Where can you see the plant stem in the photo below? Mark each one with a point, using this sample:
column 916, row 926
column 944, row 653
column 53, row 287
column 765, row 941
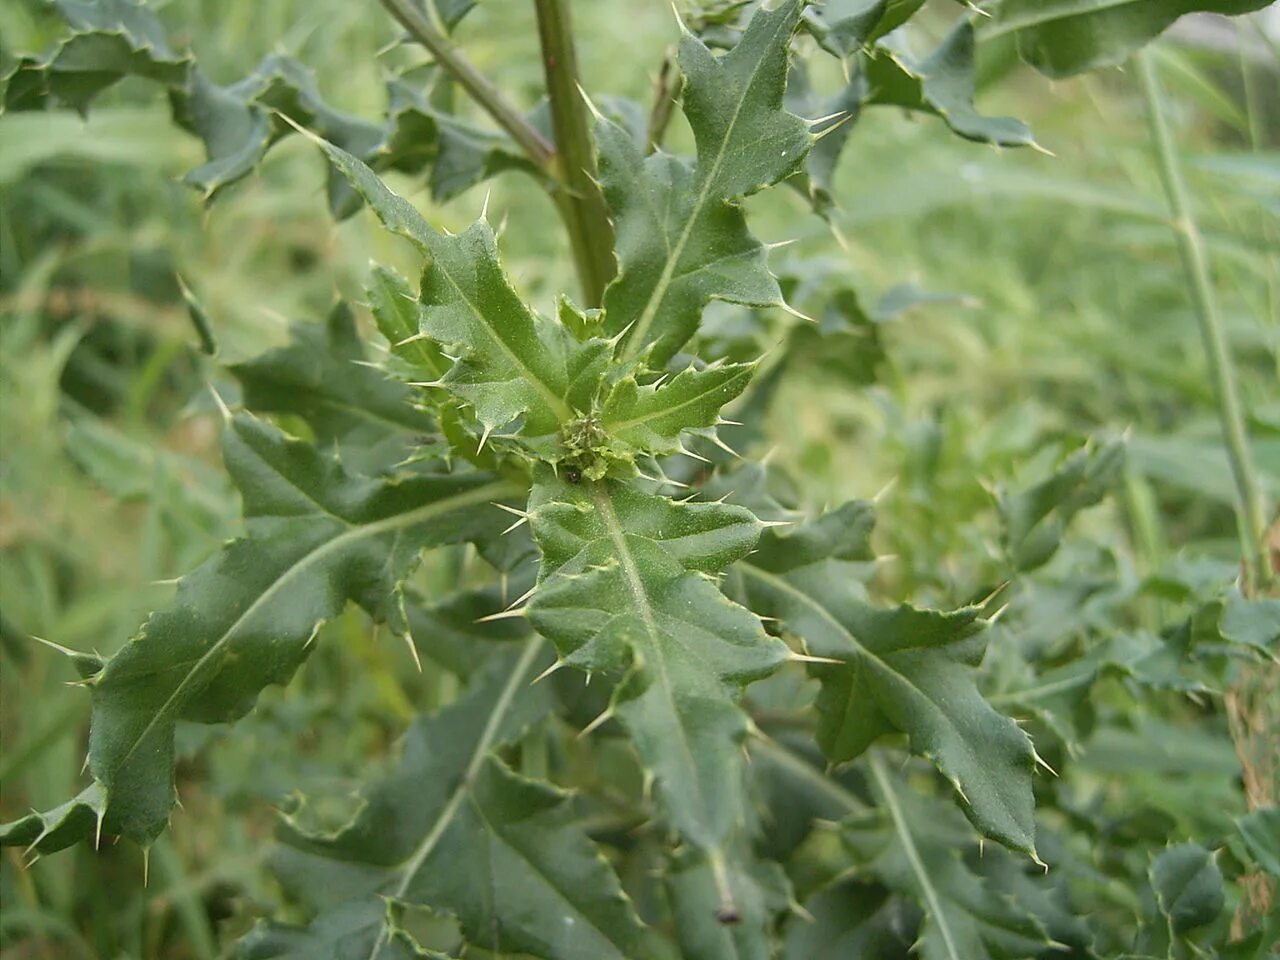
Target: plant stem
column 1251, row 513
column 666, row 89
column 419, row 25
column 581, row 200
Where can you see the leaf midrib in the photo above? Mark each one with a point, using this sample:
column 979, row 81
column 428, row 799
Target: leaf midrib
column 414, row 862
column 637, row 341
column 486, row 493
column 913, row 855
column 668, row 411
column 859, row 649
column 641, row 598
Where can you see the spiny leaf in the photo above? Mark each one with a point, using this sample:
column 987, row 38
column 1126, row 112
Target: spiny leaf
column 681, row 239
column 1065, row 37
column 652, row 418
column 320, row 376
column 451, row 828
column 903, row 669
column 844, row 27
column 238, row 123
column 942, row 84
column 60, row 827
column 619, row 594
column 317, row 538
column 513, row 363
column 914, row 848
column 110, row 39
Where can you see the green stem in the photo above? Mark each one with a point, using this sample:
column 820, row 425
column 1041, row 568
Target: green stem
column 666, row 90
column 580, row 199
column 1251, row 515
column 416, row 21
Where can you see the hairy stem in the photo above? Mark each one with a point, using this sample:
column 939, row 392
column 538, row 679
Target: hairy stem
column 430, row 35
column 1251, row 513
column 574, row 164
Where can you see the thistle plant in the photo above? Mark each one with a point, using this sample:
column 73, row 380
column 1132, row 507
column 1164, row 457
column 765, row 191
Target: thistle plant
column 640, row 555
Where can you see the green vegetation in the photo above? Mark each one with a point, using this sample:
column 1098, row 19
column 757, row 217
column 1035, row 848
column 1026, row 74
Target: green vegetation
column 650, row 486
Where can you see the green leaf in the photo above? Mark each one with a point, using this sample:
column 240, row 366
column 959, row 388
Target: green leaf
column 942, row 84
column 682, row 240
column 914, row 847
column 844, row 27
column 1255, row 623
column 1035, row 519
column 238, row 123
column 365, row 929
column 699, row 888
column 513, row 363
column 851, row 919
column 1261, row 832
column 318, row 537
column 110, row 39
column 453, row 829
column 625, row 591
column 1065, row 37
column 652, row 418
column 904, row 669
column 1188, row 886
column 321, row 376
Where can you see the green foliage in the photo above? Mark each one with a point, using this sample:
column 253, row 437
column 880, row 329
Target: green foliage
column 656, row 701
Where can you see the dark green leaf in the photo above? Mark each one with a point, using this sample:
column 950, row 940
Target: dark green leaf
column 1188, row 886
column 318, row 537
column 903, row 669
column 452, row 828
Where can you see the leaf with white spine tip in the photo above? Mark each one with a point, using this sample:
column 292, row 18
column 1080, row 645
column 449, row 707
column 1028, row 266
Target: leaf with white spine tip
column 620, row 593
column 651, row 419
column 452, row 829
column 905, row 669
column 317, row 537
column 682, row 241
column 914, row 844
column 513, row 362
column 60, row 827
column 1061, row 38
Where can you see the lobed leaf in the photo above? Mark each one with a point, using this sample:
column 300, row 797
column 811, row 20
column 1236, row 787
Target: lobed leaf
column 453, row 829
column 652, row 418
column 240, row 122
column 904, row 669
column 318, row 537
column 681, row 239
column 915, row 849
column 942, row 84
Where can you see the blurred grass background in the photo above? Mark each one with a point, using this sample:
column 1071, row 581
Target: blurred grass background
column 1066, row 315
